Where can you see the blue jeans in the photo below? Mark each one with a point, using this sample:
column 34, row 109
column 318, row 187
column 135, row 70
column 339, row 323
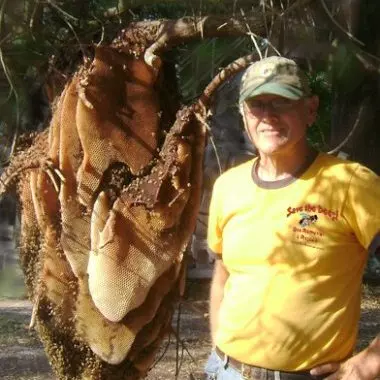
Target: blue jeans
column 216, row 369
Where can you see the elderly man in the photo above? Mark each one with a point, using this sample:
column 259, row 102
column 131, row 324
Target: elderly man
column 290, row 230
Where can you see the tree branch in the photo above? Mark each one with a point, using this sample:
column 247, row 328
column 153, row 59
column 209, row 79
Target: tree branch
column 355, row 127
column 230, row 70
column 174, row 32
column 338, row 26
column 368, row 60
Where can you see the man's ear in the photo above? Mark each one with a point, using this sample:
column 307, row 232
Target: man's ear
column 312, row 109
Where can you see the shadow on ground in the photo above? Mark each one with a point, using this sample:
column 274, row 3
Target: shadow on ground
column 22, row 356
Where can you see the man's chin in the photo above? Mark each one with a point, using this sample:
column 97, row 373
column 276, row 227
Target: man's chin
column 272, row 149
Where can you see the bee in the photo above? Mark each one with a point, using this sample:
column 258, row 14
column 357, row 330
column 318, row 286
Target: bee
column 307, row 219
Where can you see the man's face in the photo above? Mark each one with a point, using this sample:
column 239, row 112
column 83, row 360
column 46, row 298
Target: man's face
column 276, row 124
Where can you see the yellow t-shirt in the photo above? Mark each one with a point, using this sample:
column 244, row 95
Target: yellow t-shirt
column 296, row 256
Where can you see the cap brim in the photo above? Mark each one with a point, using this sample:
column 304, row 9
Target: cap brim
column 279, row 89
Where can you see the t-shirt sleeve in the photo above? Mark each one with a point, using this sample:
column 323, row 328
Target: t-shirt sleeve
column 362, row 209
column 214, row 231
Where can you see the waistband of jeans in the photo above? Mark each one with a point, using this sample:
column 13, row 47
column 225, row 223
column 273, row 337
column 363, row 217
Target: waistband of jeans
column 248, row 370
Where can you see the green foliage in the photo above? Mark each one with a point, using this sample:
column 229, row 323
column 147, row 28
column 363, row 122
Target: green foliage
column 40, row 39
column 11, row 282
column 318, row 133
column 200, row 62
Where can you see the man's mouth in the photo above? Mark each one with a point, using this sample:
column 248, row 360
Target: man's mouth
column 271, row 131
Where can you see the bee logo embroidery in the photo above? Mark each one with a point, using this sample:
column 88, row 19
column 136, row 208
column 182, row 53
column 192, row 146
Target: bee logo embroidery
column 307, row 219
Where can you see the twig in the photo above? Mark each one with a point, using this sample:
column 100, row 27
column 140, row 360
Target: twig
column 353, row 130
column 332, row 19
column 31, row 22
column 60, row 175
column 177, row 364
column 185, row 348
column 251, row 35
column 179, row 343
column 60, row 10
column 221, row 26
column 130, row 11
column 203, row 121
column 103, row 30
column 267, row 41
column 215, row 150
column 265, row 18
column 15, row 173
column 363, row 56
column 163, row 354
column 34, row 311
column 296, row 5
column 53, row 180
column 180, row 192
column 269, row 34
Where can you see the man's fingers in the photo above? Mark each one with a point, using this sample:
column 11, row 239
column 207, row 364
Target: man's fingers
column 334, row 376
column 325, row 368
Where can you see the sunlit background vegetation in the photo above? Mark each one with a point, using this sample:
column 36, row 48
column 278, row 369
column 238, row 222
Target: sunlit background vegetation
column 42, row 42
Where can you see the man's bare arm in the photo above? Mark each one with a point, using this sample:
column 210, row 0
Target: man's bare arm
column 219, row 279
column 363, row 366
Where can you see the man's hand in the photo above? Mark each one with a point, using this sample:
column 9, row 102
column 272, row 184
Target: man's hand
column 363, row 366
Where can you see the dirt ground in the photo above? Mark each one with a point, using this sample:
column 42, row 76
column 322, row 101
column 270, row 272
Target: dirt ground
column 22, row 356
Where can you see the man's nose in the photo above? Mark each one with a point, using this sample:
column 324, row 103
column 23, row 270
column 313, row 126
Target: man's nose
column 268, row 112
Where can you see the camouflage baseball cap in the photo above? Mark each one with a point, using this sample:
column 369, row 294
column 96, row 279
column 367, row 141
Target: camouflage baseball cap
column 274, row 75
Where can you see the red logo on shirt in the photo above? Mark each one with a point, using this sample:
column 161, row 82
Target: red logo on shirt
column 308, row 208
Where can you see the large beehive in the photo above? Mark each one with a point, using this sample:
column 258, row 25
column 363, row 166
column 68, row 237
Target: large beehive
column 109, row 197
